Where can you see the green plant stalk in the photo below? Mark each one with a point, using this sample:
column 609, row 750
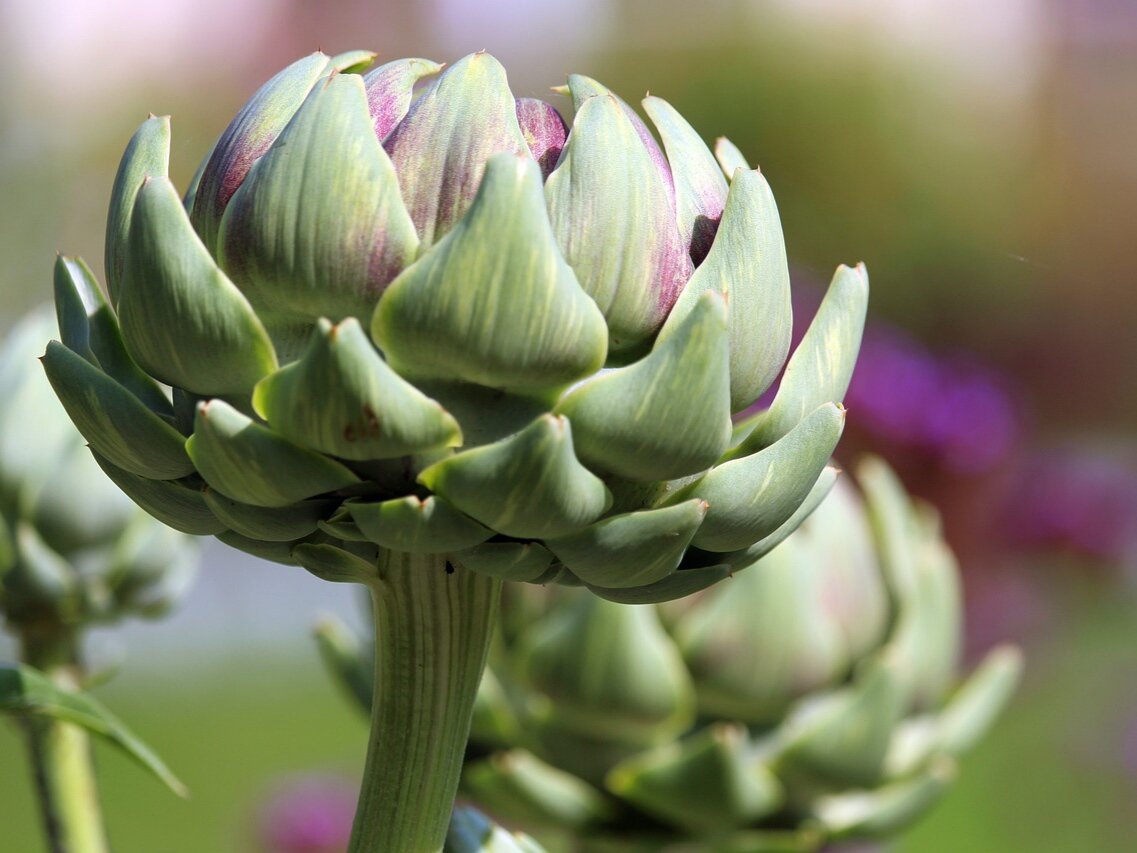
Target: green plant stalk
column 433, row 622
column 61, row 752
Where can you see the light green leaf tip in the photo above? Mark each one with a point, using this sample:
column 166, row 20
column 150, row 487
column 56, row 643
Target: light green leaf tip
column 183, row 321
column 668, row 414
column 341, row 398
column 494, row 303
column 527, row 485
column 24, row 690
column 430, row 526
column 250, row 463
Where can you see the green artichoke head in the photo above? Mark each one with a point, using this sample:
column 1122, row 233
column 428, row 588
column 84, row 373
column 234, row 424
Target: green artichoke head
column 808, row 698
column 402, row 310
column 73, row 548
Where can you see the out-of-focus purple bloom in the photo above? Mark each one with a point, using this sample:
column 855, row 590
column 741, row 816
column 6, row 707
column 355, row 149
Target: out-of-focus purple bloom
column 307, row 814
column 951, row 408
column 1079, row 501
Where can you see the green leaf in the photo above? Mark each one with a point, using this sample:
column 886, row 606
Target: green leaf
column 345, row 658
column 115, row 422
column 341, row 398
column 247, row 138
column 752, row 497
column 665, row 416
column 518, row 786
column 440, row 149
column 700, row 189
column 633, row 549
column 730, row 159
column 318, row 228
column 24, row 690
column 494, row 303
column 352, row 61
column 183, row 321
column 527, row 485
column 615, row 223
column 747, row 265
column 88, row 327
column 275, row 552
column 511, row 561
column 979, row 701
column 172, row 502
column 250, row 463
column 822, row 365
column 282, row 524
column 147, row 155
column 430, row 526
column 706, row 783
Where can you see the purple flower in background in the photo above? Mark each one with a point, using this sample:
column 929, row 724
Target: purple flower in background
column 1077, row 500
column 307, row 814
column 950, row 408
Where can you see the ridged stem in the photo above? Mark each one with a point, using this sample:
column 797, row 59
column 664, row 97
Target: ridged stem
column 433, row 621
column 61, row 752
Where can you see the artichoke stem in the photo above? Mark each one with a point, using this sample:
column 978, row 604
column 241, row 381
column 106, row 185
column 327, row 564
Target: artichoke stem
column 61, row 757
column 433, row 621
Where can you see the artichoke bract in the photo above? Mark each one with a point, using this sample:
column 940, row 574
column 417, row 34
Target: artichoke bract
column 810, row 698
column 420, row 332
column 448, row 324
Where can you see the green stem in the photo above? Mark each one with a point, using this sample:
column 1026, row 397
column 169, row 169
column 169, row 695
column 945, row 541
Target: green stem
column 433, row 621
column 61, row 752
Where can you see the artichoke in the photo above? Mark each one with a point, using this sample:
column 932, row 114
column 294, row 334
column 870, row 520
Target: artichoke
column 425, row 338
column 808, row 699
column 74, row 551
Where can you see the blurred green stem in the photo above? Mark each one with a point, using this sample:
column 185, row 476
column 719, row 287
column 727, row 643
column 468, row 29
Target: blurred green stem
column 61, row 752
column 433, row 621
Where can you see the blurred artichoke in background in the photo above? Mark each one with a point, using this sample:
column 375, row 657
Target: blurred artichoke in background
column 74, row 551
column 809, row 698
column 446, row 325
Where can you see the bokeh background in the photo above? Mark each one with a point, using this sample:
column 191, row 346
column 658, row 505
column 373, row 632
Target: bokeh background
column 978, row 156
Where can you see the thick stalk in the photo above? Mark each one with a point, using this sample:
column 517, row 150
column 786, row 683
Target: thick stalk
column 61, row 752
column 433, row 621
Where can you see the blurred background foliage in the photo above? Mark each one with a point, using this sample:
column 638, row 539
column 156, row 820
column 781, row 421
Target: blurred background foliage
column 978, row 157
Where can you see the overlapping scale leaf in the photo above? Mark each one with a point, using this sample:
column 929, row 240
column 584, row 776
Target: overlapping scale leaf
column 279, row 524
column 632, row 549
column 544, row 131
column 147, row 155
column 318, row 228
column 390, row 89
column 422, row 526
column 172, row 502
column 247, row 138
column 751, row 497
column 250, row 463
column 614, row 221
column 529, row 485
column 729, row 158
column 747, row 265
column 668, row 414
column 341, row 398
column 182, row 320
column 700, row 188
column 440, row 149
column 822, row 365
column 511, row 561
column 493, row 303
column 113, row 420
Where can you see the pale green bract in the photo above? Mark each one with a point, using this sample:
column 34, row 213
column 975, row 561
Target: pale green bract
column 810, row 698
column 402, row 310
